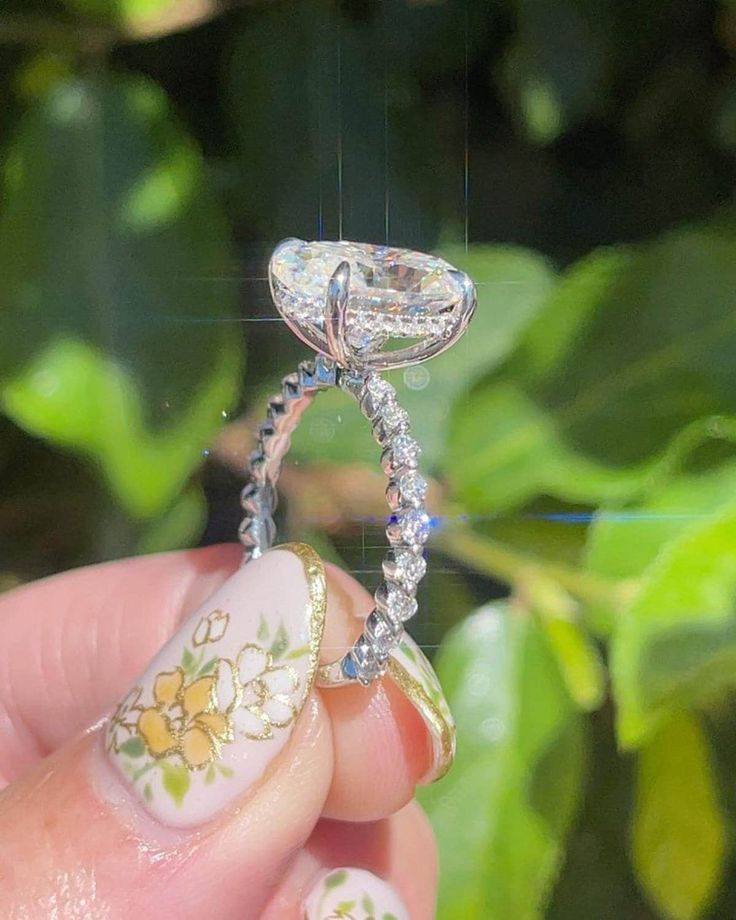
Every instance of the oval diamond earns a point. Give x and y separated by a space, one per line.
392 294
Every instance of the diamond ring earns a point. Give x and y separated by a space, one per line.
363 309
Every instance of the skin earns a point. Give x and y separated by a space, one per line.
75 843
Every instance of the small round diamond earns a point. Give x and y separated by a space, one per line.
408 568
393 416
401 606
412 488
379 388
405 451
368 665
412 526
383 633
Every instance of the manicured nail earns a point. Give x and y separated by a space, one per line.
353 894
219 701
411 670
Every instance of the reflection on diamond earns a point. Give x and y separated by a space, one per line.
412 526
405 451
412 488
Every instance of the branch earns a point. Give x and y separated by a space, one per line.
491 558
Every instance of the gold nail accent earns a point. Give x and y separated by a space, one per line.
423 690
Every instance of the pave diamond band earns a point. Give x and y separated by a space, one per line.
350 302
409 524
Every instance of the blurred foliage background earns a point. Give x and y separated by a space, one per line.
577 158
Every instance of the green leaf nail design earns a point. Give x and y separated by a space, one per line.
133 747
280 643
336 878
176 781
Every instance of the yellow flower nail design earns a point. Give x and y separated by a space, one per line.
249 697
185 720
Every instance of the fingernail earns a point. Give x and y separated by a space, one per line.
355 894
220 700
410 669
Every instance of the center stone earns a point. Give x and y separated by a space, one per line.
393 293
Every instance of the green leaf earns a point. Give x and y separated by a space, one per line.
176 781
675 644
280 642
112 346
210 774
345 907
147 792
180 526
207 667
577 656
367 904
502 814
227 772
624 541
335 879
297 652
133 747
187 660
512 285
618 338
579 660
679 831
263 632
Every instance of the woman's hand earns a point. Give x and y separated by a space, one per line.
174 808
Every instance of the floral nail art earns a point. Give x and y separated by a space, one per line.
353 894
233 686
211 628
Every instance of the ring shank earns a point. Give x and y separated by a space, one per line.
408 527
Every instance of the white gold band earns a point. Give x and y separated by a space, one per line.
409 524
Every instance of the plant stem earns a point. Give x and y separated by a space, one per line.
492 558
143 770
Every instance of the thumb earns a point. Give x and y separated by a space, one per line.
186 780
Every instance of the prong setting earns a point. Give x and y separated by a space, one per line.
335 314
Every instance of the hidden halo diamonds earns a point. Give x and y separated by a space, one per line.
363 309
